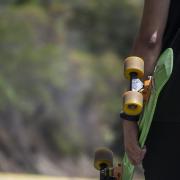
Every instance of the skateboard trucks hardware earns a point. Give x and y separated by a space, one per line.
135 83
114 173
133 99
103 162
139 91
145 89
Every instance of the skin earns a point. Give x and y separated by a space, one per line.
147 45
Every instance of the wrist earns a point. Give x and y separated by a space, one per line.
130 130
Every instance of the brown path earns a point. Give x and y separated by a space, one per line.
4 176
9 176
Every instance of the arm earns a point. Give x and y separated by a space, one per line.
147 45
148 42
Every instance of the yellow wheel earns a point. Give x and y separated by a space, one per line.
133 64
132 103
103 157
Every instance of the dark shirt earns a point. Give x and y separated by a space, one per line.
168 106
173 24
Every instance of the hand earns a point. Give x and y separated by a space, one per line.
132 148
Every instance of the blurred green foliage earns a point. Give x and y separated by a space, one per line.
61 73
106 25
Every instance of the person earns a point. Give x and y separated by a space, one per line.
159 29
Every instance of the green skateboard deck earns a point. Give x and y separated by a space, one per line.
161 75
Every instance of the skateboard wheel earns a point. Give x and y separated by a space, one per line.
133 64
132 103
103 158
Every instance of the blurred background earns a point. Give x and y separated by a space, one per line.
61 82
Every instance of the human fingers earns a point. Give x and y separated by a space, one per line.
136 155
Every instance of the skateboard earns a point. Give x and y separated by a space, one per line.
139 102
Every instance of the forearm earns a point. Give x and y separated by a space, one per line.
130 129
134 151
148 43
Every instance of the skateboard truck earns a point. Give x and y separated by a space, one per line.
139 91
103 162
133 98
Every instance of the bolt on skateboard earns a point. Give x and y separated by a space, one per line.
139 103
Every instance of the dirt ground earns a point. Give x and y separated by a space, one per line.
4 176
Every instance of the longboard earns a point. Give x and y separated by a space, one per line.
161 75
